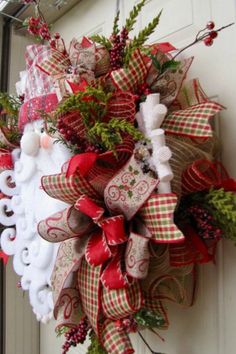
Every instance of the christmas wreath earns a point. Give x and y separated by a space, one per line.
139 196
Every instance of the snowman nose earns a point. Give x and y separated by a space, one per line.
30 143
46 141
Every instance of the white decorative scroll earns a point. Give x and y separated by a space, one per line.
23 207
150 118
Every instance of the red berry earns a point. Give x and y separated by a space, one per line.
213 34
57 35
210 25
208 41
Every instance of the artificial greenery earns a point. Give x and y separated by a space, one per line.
10 104
167 65
149 319
139 40
223 208
97 38
109 134
133 15
60 331
95 347
115 30
8 123
219 203
91 104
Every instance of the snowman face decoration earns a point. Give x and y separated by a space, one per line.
33 257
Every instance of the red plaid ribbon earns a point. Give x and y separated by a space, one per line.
122 302
56 63
68 189
192 121
158 214
89 288
114 341
129 79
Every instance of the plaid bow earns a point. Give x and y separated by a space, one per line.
132 77
193 121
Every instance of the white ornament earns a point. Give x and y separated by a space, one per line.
150 118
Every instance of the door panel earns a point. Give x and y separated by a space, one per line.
207 327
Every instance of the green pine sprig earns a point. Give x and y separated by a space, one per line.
223 209
95 346
110 134
102 40
141 38
91 104
10 104
115 30
133 15
61 331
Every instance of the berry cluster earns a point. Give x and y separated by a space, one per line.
76 335
67 133
208 41
204 223
117 51
143 90
37 27
128 324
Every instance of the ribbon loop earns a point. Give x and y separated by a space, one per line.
158 215
89 208
121 303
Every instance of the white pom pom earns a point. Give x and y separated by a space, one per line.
30 143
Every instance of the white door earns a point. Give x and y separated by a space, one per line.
209 326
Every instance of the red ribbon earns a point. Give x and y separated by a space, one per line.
102 244
204 174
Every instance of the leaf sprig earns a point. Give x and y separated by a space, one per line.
110 134
92 105
133 15
95 347
115 30
10 104
223 208
141 38
102 40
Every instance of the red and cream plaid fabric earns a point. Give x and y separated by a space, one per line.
158 214
55 64
115 341
192 121
38 83
157 307
123 302
68 189
89 288
130 78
